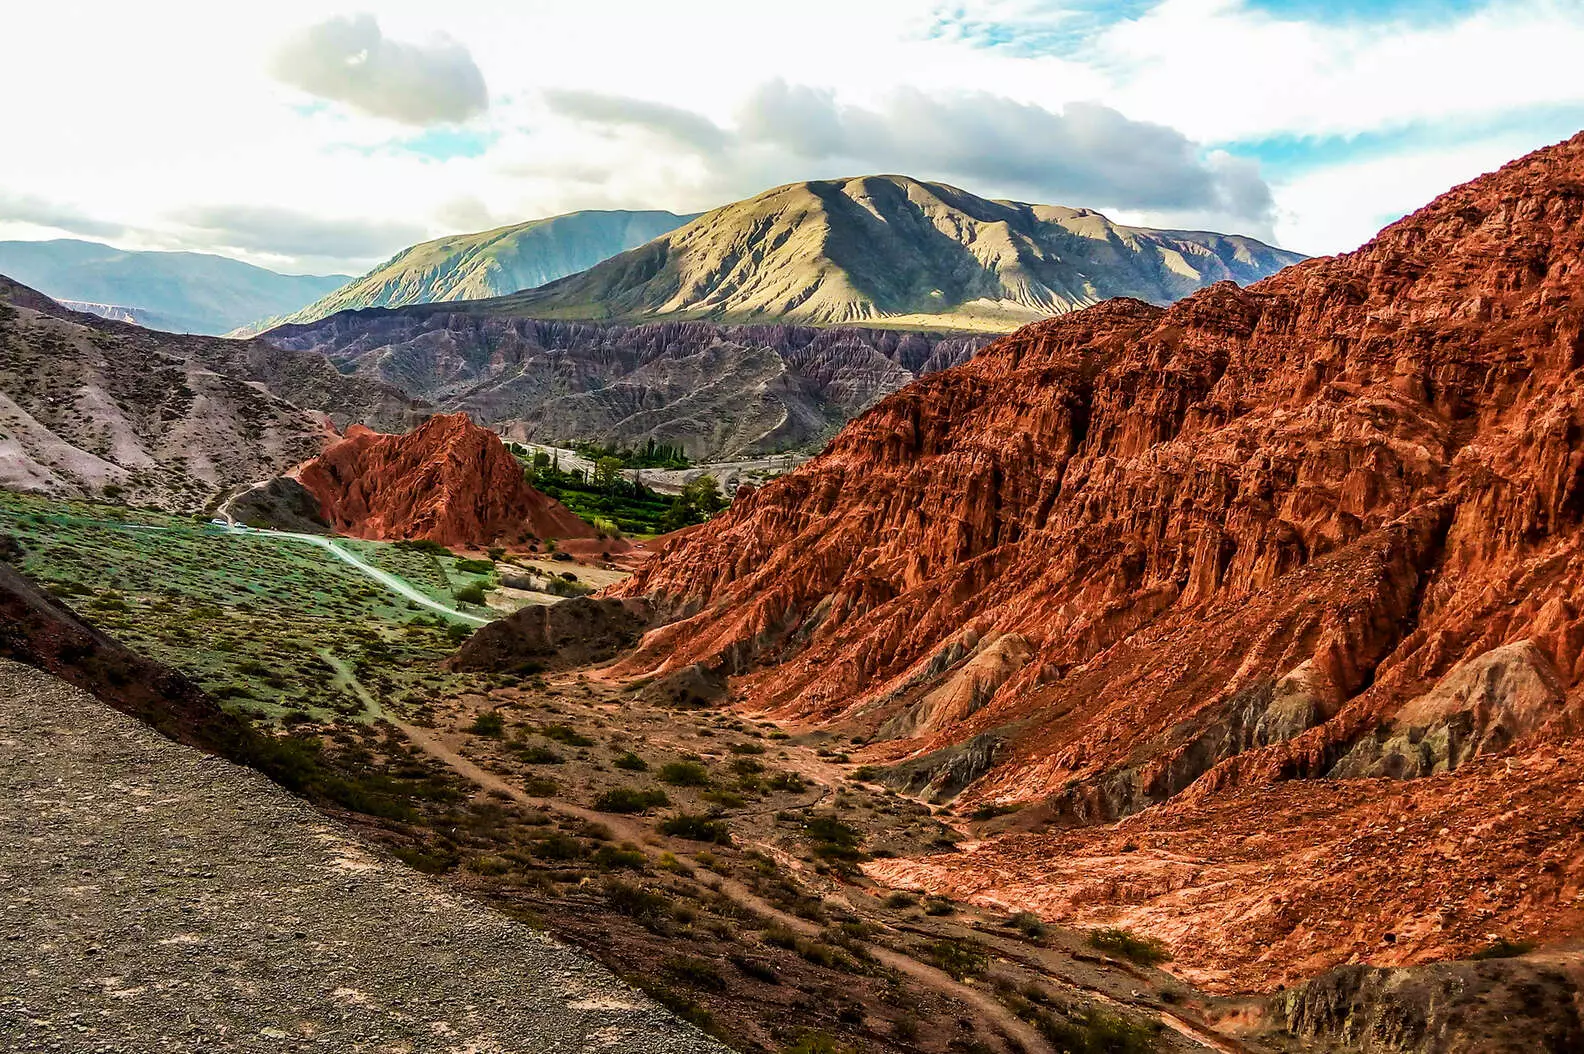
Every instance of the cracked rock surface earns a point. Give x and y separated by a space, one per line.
157 899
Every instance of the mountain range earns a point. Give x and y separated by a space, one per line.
898 251
180 292
1254 624
491 263
725 375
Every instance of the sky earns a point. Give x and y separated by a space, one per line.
321 138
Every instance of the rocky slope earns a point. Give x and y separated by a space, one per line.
832 252
447 481
490 263
97 408
179 292
717 391
1190 582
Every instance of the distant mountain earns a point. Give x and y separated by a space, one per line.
173 291
714 390
97 408
493 263
897 250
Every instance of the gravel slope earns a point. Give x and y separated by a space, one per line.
157 899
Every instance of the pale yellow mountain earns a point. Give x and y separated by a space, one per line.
894 251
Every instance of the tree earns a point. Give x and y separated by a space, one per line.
541 459
607 470
704 494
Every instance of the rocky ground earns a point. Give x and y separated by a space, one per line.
152 891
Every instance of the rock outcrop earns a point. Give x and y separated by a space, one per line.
554 636
1180 559
447 481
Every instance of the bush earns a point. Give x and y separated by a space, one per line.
566 734
1028 924
700 973
631 799
423 545
472 593
610 858
962 959
1146 951
489 723
534 754
684 774
696 828
631 762
475 567
1097 1031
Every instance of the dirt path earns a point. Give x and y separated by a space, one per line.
993 1012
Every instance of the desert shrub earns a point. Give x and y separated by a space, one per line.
611 858
475 567
557 845
634 901
490 723
747 748
537 754
962 959
1097 1031
939 906
631 762
758 969
696 828
684 774
1146 951
566 734
700 973
899 900
472 593
631 799
787 783
1028 924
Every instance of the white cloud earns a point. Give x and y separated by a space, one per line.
349 60
144 115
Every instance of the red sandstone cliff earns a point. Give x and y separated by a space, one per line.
1326 528
449 481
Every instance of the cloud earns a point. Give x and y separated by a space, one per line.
349 60
39 212
285 233
1085 153
690 129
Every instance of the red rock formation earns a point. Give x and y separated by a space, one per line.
1186 555
449 481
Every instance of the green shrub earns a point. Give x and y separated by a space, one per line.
1097 1031
700 973
1146 951
962 959
631 762
472 593
631 799
610 858
535 754
475 567
684 774
1028 924
566 734
696 828
787 783
490 723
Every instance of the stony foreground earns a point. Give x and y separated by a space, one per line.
156 899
